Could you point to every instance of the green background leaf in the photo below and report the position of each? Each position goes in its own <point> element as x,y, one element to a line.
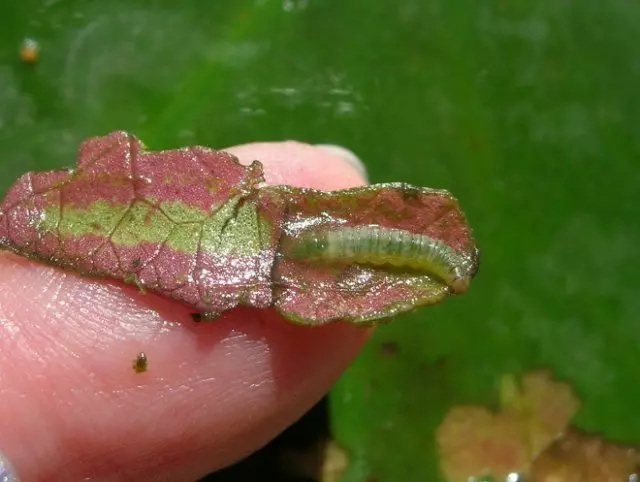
<point>527,111</point>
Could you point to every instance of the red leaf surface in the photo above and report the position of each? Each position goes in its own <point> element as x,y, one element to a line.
<point>195,225</point>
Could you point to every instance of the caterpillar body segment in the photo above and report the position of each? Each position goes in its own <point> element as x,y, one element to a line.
<point>374,245</point>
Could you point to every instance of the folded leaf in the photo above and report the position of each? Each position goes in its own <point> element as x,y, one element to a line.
<point>195,225</point>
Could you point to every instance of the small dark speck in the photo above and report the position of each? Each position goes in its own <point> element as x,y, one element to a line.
<point>197,317</point>
<point>389,348</point>
<point>141,363</point>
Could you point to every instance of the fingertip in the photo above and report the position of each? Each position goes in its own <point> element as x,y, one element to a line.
<point>258,377</point>
<point>347,155</point>
<point>325,167</point>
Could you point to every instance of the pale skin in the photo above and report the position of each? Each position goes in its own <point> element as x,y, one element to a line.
<point>71,406</point>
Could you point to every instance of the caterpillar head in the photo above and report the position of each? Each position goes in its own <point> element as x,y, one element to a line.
<point>464,273</point>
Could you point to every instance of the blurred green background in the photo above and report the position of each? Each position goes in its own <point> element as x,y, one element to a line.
<point>529,111</point>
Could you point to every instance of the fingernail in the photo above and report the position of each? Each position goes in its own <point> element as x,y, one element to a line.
<point>7,474</point>
<point>348,156</point>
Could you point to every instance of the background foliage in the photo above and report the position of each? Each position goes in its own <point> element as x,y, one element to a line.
<point>528,111</point>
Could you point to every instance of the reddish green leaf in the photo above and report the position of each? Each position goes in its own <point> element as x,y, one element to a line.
<point>339,266</point>
<point>195,225</point>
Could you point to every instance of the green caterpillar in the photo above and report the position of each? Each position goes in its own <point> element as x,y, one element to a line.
<point>382,246</point>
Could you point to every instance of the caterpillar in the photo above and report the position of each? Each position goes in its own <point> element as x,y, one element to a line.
<point>383,246</point>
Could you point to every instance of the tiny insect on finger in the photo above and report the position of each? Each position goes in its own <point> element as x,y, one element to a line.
<point>140,363</point>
